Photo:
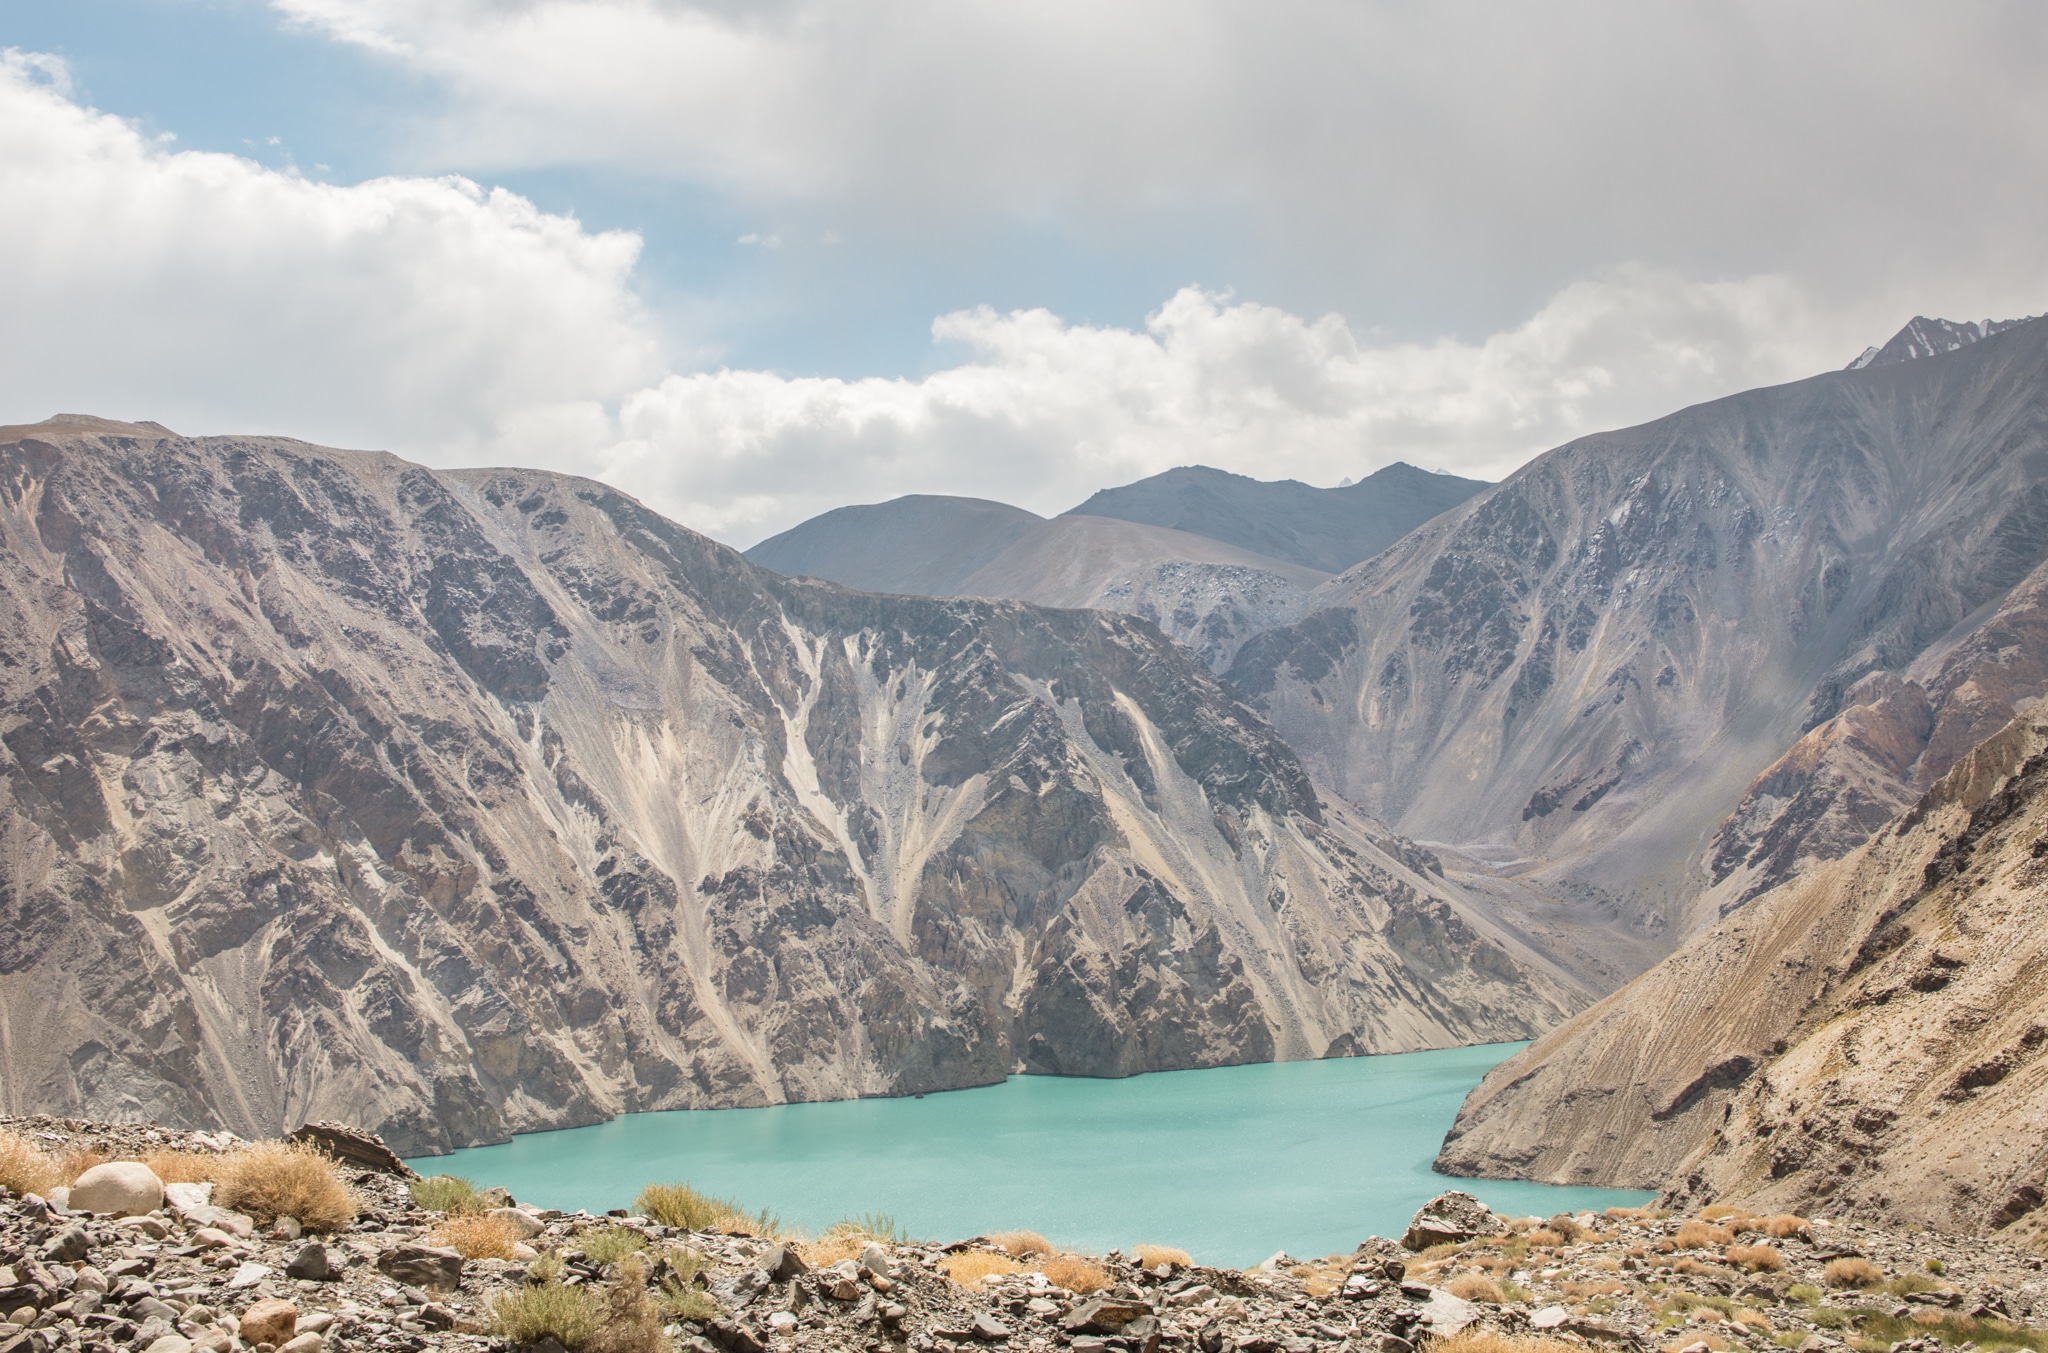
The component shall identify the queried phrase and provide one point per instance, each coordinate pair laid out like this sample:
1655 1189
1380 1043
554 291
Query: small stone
91 1279
782 1263
1102 1315
874 1260
314 1263
286 1228
248 1274
436 1316
986 1327
524 1253
782 1322
234 1223
68 1246
211 1238
148 1226
519 1219
843 1288
1042 1308
302 1343
213 1341
270 1322
1549 1318
181 1196
150 1308
422 1266
169 1343
316 1322
125 1188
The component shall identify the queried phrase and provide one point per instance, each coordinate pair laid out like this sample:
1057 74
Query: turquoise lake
1230 1164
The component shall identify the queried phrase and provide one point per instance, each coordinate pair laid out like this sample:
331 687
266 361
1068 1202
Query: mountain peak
1924 337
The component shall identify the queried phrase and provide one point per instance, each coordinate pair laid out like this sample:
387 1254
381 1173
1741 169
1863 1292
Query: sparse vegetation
1784 1226
847 1238
1475 1287
631 1319
1936 1266
444 1193
684 1302
476 1235
682 1206
546 1269
1694 1235
26 1167
970 1266
269 1180
603 1245
1852 1272
1908 1283
1487 1341
1756 1258
1545 1237
1805 1293
1021 1244
1152 1256
183 1167
568 1314
1074 1273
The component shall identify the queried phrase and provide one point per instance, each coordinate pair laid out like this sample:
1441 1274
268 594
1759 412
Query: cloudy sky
751 259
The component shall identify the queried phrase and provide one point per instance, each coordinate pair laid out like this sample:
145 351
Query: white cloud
209 292
461 325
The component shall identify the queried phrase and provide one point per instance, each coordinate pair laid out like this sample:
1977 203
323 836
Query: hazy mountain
1202 592
459 803
1866 1040
1326 529
1578 674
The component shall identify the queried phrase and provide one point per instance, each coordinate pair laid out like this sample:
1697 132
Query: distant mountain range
1181 549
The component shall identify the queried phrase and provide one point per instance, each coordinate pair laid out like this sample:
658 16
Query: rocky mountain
1866 1039
1325 529
461 803
1208 595
1575 677
1924 337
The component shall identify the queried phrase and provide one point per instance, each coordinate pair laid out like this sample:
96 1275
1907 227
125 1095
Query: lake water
1230 1164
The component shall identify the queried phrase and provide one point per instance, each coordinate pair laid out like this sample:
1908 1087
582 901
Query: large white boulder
125 1188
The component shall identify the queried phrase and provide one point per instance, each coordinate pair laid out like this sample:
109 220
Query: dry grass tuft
568 1314
1688 1264
1785 1225
184 1167
603 1245
1021 1244
475 1235
26 1167
1544 1236
970 1266
269 1180
78 1160
1756 1258
1475 1340
1721 1212
631 1321
448 1193
1152 1256
680 1205
1713 1339
1852 1273
1475 1287
1563 1225
1078 1275
1695 1235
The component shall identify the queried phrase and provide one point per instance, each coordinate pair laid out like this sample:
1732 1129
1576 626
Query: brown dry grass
183 1167
1076 1274
1474 1287
1688 1264
1594 1289
1322 1277
970 1266
1756 1258
77 1161
1021 1244
1487 1341
269 1180
26 1167
1152 1256
1852 1273
1693 1334
1545 1237
631 1319
1785 1225
1695 1235
1721 1212
475 1235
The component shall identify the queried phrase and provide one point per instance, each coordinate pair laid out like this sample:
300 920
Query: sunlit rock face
464 803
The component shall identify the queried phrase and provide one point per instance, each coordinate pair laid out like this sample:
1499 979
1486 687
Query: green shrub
444 1193
681 1206
547 1268
1936 1266
570 1314
1804 1293
684 1302
609 1244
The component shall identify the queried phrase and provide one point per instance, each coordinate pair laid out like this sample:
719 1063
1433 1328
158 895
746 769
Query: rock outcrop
1868 1039
462 803
1582 671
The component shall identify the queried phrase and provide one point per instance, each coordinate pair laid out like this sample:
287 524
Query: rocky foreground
192 1277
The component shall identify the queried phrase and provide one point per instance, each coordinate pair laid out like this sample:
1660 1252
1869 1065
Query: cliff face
1867 1039
460 804
1583 670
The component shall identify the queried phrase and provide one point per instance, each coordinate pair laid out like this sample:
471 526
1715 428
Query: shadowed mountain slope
464 803
1581 672
1325 529
1867 1039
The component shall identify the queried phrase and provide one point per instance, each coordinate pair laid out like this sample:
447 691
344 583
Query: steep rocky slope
1924 337
1326 529
1868 1039
1581 672
1206 594
465 803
